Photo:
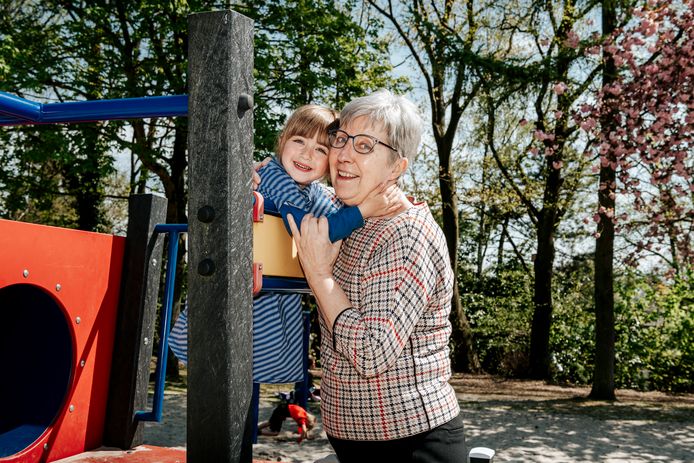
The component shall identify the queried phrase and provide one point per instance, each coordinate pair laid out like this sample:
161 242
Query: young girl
293 180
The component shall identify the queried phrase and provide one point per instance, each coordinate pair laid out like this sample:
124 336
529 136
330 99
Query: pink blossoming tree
641 121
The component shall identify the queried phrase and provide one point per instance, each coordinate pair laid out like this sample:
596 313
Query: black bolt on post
220 82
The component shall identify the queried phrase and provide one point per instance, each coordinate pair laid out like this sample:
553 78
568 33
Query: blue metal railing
160 373
15 110
269 284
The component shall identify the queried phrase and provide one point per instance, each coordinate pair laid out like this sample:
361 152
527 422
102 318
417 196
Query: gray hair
397 115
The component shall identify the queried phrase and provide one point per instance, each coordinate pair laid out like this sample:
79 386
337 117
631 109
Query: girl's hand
316 253
385 199
303 433
255 178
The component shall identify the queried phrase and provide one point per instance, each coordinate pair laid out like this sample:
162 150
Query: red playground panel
58 301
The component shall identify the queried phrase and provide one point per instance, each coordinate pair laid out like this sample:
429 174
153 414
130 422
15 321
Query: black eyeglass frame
331 138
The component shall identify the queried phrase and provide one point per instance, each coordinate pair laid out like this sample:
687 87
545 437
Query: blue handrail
160 373
15 110
278 284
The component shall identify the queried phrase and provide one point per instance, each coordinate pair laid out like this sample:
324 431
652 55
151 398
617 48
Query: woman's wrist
320 281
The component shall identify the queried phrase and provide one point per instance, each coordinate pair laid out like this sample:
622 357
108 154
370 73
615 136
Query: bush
572 335
654 325
499 308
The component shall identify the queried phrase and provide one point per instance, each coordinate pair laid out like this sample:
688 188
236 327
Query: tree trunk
542 297
603 375
465 355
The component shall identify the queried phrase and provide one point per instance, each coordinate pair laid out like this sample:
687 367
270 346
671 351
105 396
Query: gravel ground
522 420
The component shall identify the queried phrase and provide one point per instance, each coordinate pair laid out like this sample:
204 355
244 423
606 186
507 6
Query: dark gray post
220 147
135 326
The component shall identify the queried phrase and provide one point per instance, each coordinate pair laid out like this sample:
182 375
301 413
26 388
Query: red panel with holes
58 301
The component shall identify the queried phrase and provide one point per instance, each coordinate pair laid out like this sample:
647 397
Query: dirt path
522 420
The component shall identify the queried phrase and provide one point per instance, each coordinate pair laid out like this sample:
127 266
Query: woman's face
355 175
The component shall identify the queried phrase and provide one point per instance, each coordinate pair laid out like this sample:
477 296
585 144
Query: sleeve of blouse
395 292
340 224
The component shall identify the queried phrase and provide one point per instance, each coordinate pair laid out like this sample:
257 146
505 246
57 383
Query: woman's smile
342 175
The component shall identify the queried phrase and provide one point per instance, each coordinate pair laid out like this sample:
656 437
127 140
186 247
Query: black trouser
443 444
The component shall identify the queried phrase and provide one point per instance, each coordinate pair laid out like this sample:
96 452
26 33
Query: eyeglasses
362 143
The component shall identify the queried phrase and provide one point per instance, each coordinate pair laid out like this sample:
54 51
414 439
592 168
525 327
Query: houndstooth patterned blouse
386 366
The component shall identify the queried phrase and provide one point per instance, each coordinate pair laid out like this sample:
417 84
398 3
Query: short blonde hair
307 121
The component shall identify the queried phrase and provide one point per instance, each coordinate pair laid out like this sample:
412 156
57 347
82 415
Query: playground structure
81 306
96 403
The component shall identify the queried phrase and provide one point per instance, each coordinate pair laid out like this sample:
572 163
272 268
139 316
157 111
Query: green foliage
572 337
654 319
655 333
312 51
499 308
654 322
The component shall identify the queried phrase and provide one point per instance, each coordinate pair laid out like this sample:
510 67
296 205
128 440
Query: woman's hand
383 200
316 253
255 178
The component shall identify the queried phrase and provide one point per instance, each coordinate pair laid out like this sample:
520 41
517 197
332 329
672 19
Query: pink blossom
588 124
596 218
523 122
558 114
557 165
560 88
572 40
542 136
614 89
596 235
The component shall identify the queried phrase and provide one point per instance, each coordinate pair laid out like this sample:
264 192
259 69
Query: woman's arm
396 289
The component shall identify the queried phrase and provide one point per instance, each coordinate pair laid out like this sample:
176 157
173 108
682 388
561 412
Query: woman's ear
399 168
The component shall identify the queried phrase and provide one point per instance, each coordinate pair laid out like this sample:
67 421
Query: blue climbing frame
15 110
173 231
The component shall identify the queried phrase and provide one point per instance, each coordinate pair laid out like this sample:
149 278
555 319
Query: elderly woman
384 296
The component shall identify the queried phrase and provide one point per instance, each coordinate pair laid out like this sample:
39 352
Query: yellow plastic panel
275 249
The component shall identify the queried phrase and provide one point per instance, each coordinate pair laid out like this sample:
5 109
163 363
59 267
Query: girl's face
304 159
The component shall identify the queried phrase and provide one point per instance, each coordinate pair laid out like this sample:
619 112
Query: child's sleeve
299 415
341 223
